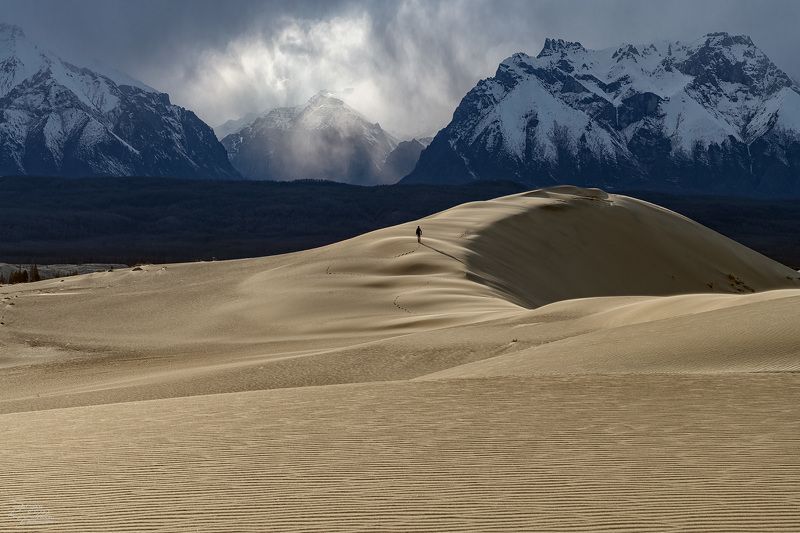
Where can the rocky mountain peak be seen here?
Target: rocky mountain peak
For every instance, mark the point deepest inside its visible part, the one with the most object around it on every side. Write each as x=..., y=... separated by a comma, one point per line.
x=324, y=98
x=627, y=51
x=733, y=59
x=725, y=39
x=559, y=46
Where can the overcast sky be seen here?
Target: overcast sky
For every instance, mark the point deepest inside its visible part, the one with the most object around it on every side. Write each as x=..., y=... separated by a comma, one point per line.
x=405, y=63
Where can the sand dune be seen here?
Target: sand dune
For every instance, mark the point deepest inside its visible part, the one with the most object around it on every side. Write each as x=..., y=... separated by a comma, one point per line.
x=683, y=334
x=449, y=385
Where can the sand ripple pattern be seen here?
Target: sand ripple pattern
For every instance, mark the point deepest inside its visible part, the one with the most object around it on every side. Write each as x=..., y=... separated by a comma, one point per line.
x=593, y=453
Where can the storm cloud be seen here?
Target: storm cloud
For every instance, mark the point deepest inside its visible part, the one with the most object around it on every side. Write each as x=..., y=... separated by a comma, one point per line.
x=405, y=64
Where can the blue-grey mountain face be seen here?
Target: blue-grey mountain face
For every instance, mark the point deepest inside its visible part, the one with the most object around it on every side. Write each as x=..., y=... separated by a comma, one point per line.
x=713, y=115
x=322, y=139
x=59, y=119
x=402, y=160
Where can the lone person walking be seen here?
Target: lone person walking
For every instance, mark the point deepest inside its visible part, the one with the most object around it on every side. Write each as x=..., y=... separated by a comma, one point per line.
x=419, y=235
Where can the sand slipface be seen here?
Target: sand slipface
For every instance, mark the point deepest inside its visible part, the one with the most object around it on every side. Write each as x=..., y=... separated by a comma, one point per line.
x=558, y=359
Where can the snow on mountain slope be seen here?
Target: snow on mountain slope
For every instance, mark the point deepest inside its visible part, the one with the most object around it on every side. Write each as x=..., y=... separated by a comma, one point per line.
x=713, y=114
x=322, y=139
x=57, y=118
x=236, y=124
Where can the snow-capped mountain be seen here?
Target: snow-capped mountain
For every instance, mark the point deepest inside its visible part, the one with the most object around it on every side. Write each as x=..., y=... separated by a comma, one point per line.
x=713, y=115
x=59, y=119
x=236, y=124
x=322, y=139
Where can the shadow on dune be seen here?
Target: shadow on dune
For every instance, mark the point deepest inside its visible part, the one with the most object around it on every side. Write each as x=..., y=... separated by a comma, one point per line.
x=568, y=243
x=444, y=253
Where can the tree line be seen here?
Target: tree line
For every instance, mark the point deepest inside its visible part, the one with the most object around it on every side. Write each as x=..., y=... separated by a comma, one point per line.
x=21, y=275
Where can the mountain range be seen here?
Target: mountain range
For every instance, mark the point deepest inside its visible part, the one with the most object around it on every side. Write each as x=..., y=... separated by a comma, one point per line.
x=322, y=139
x=60, y=119
x=711, y=115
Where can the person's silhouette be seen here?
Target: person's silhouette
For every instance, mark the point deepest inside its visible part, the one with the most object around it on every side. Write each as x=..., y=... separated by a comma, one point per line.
x=419, y=235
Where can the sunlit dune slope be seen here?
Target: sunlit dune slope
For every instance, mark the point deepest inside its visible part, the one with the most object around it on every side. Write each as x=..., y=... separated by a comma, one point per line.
x=376, y=307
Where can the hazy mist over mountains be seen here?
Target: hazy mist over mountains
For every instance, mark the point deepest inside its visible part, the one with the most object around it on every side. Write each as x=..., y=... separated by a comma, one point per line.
x=322, y=139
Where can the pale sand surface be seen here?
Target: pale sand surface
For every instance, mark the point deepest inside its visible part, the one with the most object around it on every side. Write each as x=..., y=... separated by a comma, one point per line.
x=560, y=359
x=635, y=453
